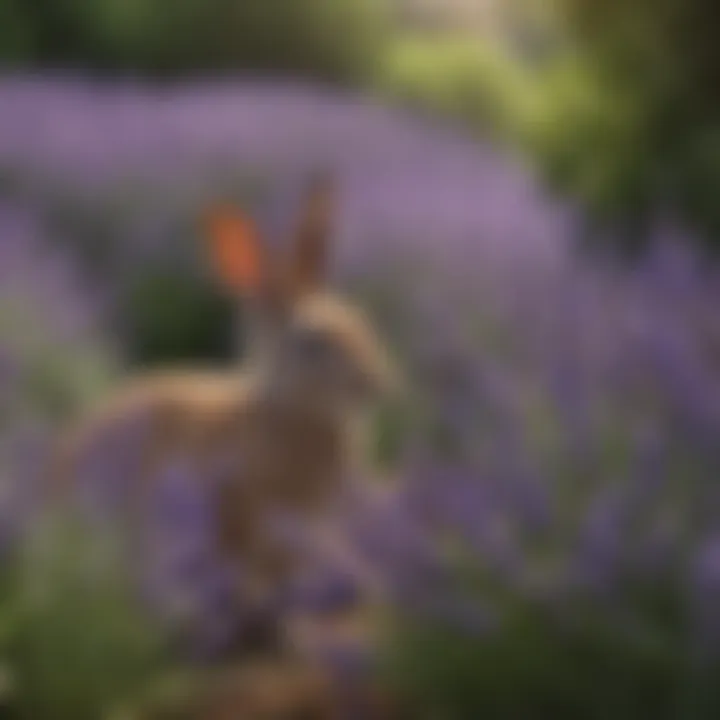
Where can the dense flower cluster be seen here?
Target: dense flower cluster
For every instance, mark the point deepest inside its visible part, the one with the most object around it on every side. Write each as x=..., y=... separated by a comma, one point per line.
x=561, y=441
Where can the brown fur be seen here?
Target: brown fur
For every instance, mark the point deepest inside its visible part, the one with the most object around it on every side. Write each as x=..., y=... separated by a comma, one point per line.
x=285, y=442
x=206, y=417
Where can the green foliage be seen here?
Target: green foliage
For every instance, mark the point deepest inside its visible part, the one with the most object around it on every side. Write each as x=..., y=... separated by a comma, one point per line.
x=177, y=318
x=464, y=78
x=55, y=376
x=538, y=665
x=16, y=38
x=585, y=138
x=73, y=639
x=620, y=111
x=336, y=40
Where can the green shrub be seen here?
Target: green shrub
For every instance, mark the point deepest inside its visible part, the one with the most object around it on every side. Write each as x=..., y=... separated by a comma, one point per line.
x=465, y=79
x=177, y=318
x=573, y=665
x=589, y=138
x=56, y=356
x=73, y=641
x=338, y=40
x=606, y=120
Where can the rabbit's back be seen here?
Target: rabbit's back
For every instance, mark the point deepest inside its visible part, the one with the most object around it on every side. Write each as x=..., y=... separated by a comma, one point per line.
x=256, y=456
x=238, y=434
x=160, y=414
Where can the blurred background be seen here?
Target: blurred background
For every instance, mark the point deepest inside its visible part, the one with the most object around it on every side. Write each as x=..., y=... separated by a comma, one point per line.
x=529, y=214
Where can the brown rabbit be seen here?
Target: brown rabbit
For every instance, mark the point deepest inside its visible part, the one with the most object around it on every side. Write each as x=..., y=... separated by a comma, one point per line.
x=284, y=425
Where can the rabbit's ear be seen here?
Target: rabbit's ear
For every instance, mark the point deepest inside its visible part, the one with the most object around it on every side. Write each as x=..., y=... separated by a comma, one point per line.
x=243, y=264
x=235, y=250
x=309, y=259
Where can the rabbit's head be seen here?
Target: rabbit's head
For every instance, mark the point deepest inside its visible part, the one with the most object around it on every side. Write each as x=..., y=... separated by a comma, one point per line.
x=312, y=346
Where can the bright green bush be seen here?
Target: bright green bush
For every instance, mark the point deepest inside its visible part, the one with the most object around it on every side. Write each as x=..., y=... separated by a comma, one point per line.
x=613, y=133
x=466, y=79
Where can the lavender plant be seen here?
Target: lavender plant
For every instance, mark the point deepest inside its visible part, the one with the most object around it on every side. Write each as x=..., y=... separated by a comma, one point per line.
x=550, y=547
x=54, y=357
x=575, y=507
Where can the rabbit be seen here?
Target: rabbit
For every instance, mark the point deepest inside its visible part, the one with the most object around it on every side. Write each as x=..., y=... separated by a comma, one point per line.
x=286, y=422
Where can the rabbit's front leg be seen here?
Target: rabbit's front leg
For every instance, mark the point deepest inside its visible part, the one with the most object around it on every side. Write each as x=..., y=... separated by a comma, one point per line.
x=263, y=569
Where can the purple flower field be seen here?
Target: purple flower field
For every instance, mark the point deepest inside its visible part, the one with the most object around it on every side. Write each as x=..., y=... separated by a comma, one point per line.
x=553, y=525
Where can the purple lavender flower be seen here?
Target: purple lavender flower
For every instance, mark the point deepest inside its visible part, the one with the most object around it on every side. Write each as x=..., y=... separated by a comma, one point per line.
x=107, y=468
x=182, y=576
x=325, y=590
x=576, y=399
x=600, y=544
